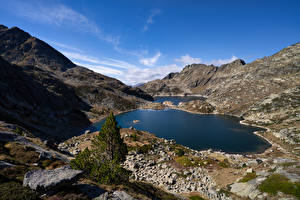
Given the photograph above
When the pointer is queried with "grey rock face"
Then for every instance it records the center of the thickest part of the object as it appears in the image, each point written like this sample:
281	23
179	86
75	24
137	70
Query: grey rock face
43	180
5	165
121	195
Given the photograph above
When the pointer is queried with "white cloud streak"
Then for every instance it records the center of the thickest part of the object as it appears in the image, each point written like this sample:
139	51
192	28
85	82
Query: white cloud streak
187	60
150	61
222	61
150	18
126	72
60	15
64	46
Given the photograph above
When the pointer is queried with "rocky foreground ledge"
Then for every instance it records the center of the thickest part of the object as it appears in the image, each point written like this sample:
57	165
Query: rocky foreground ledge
209	174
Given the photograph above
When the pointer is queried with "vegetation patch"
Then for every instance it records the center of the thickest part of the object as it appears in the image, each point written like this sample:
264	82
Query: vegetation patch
224	163
184	161
248	177
277	182
194	197
13	190
108	151
179	152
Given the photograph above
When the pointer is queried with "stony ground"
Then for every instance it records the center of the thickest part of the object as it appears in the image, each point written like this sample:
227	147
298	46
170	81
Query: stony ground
207	174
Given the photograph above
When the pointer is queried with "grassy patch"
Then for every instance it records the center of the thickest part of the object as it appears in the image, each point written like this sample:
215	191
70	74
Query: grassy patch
13	190
144	149
18	131
224	164
21	154
179	152
277	182
193	162
248	177
194	197
184	161
134	137
225	191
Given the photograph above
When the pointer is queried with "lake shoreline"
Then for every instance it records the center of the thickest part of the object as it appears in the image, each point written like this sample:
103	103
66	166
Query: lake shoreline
259	152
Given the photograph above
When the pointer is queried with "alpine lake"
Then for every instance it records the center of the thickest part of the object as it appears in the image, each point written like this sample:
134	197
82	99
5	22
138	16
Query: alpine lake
196	131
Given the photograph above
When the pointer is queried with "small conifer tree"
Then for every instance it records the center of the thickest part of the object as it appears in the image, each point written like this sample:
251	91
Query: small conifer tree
108	144
108	151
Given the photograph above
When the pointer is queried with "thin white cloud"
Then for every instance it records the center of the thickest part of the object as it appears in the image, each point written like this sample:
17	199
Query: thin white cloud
60	15
221	61
150	61
187	59
80	56
63	46
143	75
126	72
101	69
150	18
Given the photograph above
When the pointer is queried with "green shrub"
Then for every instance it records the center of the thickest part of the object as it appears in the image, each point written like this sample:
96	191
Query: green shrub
195	198
134	137
102	162
277	182
110	173
248	177
144	149
18	131
82	161
179	152
15	191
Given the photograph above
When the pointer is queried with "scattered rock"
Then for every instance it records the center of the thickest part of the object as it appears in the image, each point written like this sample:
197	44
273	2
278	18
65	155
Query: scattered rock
43	180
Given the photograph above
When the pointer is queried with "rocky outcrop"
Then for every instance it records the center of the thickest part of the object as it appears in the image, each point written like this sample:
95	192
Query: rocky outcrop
198	106
44	180
280	113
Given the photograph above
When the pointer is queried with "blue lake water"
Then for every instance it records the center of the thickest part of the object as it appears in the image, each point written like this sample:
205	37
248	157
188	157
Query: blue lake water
176	99
196	131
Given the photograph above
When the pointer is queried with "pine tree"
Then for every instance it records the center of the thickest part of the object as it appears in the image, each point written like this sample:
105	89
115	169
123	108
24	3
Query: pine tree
108	144
102	162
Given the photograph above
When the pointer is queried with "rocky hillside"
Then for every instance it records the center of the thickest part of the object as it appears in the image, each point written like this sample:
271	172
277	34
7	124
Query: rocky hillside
243	89
234	87
33	98
19	47
44	91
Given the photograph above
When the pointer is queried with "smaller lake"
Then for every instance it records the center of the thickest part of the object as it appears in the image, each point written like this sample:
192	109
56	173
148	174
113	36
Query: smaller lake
176	99
196	131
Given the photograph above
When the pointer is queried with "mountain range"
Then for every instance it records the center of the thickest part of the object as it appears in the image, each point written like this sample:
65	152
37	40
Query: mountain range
45	91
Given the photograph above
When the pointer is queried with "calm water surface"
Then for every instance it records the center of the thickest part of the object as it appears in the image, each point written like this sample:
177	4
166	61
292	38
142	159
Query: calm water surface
177	99
196	131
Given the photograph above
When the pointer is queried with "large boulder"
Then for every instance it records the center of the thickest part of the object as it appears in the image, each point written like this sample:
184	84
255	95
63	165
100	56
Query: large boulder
44	180
121	195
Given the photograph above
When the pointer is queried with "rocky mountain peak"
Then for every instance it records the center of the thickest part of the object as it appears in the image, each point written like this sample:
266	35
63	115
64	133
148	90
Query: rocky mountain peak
170	75
2	27
19	47
235	63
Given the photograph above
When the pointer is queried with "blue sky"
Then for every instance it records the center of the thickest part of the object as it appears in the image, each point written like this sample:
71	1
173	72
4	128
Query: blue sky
141	40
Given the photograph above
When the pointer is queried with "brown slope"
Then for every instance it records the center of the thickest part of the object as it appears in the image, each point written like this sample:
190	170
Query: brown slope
19	47
34	99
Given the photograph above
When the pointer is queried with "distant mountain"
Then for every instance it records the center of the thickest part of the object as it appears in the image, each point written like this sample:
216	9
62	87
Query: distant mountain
67	83
265	92
234	87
